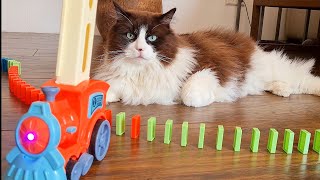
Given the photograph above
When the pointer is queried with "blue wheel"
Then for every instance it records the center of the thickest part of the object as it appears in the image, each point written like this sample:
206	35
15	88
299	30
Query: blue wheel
86	161
100	139
73	170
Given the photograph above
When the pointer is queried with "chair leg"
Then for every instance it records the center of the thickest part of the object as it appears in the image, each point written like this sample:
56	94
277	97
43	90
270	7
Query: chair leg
261	23
255	22
306	25
319	30
238	15
278	24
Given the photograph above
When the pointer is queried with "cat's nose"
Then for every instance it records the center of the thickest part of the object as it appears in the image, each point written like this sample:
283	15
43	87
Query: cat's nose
139	49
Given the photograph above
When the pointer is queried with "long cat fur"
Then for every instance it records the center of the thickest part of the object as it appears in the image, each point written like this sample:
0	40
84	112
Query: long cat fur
195	69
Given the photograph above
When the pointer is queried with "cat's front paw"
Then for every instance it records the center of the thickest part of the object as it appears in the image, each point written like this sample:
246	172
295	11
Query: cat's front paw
112	97
280	89
199	89
197	97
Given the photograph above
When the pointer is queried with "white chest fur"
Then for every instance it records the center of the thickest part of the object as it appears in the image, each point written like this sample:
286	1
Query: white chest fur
147	82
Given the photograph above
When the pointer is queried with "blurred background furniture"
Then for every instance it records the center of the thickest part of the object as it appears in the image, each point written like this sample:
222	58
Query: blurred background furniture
258	17
307	48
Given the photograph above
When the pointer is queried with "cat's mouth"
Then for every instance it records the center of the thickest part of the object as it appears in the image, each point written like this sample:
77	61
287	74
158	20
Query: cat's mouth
140	57
137	58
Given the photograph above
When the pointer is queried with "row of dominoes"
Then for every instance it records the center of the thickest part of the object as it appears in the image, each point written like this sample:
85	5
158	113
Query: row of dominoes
6	63
21	89
303	144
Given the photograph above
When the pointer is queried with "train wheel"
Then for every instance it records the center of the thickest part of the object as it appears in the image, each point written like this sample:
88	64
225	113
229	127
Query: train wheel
86	161
73	170
100	139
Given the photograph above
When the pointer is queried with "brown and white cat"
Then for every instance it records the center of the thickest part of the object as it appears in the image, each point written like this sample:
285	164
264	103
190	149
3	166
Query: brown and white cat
146	63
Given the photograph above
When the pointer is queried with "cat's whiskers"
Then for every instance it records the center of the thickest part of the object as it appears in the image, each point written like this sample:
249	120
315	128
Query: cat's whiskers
165	57
99	58
157	26
164	60
125	18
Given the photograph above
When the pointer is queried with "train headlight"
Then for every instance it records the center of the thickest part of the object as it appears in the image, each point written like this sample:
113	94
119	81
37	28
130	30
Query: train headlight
34	135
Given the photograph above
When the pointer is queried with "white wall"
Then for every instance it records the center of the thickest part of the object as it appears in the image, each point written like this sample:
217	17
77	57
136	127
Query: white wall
193	15
41	16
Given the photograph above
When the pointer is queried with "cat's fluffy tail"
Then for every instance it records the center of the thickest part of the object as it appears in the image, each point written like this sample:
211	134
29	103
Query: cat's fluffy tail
276	72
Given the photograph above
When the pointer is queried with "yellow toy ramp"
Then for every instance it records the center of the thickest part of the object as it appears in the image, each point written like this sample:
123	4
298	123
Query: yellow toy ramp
76	41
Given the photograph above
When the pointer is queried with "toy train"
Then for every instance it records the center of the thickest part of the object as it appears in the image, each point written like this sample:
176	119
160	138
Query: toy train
59	138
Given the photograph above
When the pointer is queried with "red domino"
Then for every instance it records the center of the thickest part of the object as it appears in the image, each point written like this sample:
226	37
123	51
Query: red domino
13	70
28	95
23	92
41	96
135	126
16	84
19	88
11	78
35	95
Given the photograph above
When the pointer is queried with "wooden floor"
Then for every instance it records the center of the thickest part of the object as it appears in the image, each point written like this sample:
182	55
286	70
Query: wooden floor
139	159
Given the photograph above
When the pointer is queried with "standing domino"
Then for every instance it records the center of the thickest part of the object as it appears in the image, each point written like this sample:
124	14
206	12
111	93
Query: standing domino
316	141
288	141
201	135
273	140
255	140
184	134
219	139
304	141
151	134
237	139
168	131
135	126
120	123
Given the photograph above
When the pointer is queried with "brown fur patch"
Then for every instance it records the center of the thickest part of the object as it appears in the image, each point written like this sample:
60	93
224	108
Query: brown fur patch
226	52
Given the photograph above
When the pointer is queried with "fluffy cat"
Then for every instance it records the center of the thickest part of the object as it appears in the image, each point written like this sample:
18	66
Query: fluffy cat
146	63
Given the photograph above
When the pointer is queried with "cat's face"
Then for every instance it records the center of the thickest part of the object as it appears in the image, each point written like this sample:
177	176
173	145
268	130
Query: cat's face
142	37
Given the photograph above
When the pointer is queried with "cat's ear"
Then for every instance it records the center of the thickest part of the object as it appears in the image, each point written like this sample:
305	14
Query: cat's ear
121	13
167	17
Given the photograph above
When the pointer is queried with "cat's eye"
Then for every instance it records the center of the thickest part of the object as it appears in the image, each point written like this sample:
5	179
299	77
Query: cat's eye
152	38
130	36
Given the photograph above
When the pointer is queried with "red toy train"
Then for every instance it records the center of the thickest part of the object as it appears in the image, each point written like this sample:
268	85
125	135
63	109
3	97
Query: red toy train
59	138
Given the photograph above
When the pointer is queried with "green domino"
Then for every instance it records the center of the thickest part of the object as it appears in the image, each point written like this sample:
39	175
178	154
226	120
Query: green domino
15	63
255	140
316	141
201	135
288	141
237	139
304	141
219	140
272	141
168	131
120	123
151	134
184	134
